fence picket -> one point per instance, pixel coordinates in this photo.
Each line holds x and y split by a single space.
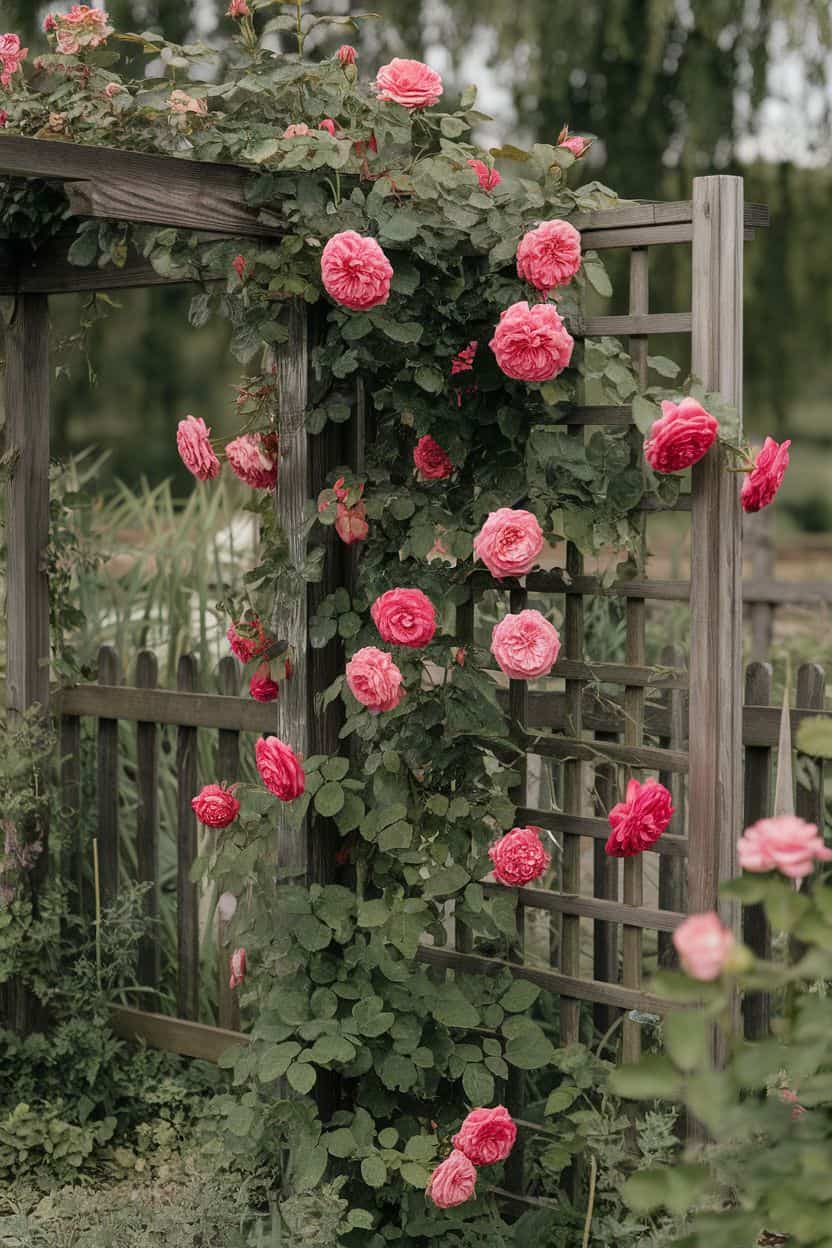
70 747
228 769
671 870
109 673
187 902
147 822
755 929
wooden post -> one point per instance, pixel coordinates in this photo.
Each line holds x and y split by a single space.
756 932
147 823
228 770
109 673
671 870
187 895
715 776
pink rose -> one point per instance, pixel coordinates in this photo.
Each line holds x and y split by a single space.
238 968
703 944
253 458
49 24
297 130
488 178
509 542
404 617
574 143
432 462
238 8
215 806
532 343
280 768
784 843
81 27
329 125
4 117
261 686
766 477
114 88
12 57
681 437
181 102
409 83
238 264
193 441
351 523
486 1136
549 255
525 645
346 54
248 639
355 271
640 820
452 1182
463 362
374 679
519 857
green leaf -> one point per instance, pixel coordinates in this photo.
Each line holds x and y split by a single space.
814 736
429 379
311 933
687 1039
446 880
453 1009
370 1019
329 799
328 1049
645 413
528 1047
84 249
373 913
274 1060
478 1084
397 836
401 227
414 1174
374 1171
301 1076
676 1188
560 1099
452 127
520 997
663 366
340 1143
652 1078
241 1120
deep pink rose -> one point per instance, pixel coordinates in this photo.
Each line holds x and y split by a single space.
784 843
766 477
488 178
452 1182
640 820
355 271
248 639
374 679
193 441
486 1136
4 117
531 343
215 806
329 125
432 462
351 523
49 23
346 54
238 968
404 617
409 83
238 264
681 436
525 645
253 458
509 542
12 57
261 686
463 362
280 768
549 255
703 944
519 857
297 130
238 8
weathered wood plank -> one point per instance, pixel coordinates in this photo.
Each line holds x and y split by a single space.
125 199
652 212
621 326
46 270
605 884
588 825
671 870
174 1035
109 672
755 928
647 756
147 823
811 692
518 693
167 706
187 897
228 769
592 908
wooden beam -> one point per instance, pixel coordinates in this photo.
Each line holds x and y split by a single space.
166 706
592 908
639 325
659 213
46 270
174 1035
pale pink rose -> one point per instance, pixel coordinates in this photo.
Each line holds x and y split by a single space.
784 843
12 57
509 542
238 968
114 88
486 1136
227 907
574 143
453 1181
680 437
519 857
193 441
703 944
329 125
181 102
355 271
81 27
297 130
374 679
409 83
248 639
261 686
532 343
549 255
404 617
463 362
346 54
238 8
525 645
280 768
432 462
351 523
638 822
766 477
215 806
238 264
488 178
253 459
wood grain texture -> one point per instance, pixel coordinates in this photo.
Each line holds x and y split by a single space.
46 270
811 692
640 325
575 904
518 692
756 932
109 671
167 706
147 823
228 769
647 756
187 896
174 1035
651 212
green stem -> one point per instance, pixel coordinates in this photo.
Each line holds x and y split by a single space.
298 26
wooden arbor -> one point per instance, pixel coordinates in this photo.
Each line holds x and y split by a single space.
211 198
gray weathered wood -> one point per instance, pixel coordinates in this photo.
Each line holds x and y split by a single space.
109 672
167 706
635 756
632 324
611 912
518 693
174 1035
811 692
650 212
147 823
46 270
755 928
187 896
228 770
757 536
573 783
605 881
671 871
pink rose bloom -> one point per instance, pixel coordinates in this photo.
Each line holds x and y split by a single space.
329 125
432 462
703 944
355 271
280 768
488 178
486 1136
549 255
525 645
374 679
459 656
346 54
640 820
519 857
464 361
509 542
297 130
49 24
181 102
409 83
238 968
351 523
766 477
4 117
215 806
681 436
114 88
452 1182
238 8
81 27
574 143
193 441
248 639
261 686
531 343
784 843
404 617
253 459
12 57
238 264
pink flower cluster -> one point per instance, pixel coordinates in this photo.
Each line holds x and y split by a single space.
82 27
404 617
409 83
238 8
350 517
262 687
485 1138
12 56
638 822
519 857
784 843
574 143
525 645
532 343
509 542
180 102
355 271
374 679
